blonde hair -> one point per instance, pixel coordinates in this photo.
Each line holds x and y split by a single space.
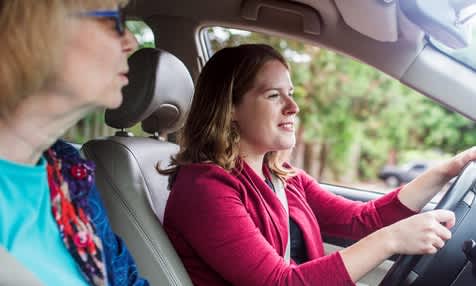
32 36
209 134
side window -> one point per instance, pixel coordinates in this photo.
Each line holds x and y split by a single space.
358 127
93 125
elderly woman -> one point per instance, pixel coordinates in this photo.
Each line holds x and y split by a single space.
59 60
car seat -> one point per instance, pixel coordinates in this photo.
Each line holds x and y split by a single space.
134 193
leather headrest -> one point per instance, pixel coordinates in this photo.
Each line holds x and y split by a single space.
159 93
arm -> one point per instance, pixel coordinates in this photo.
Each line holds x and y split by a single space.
121 268
420 234
347 218
219 228
421 190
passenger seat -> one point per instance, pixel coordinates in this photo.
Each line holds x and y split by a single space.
159 96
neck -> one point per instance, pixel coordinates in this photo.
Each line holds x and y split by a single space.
254 160
35 125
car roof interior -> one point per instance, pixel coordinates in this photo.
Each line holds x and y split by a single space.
387 40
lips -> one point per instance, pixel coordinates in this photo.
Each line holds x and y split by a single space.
124 76
287 125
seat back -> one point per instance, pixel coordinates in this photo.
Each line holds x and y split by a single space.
134 193
13 273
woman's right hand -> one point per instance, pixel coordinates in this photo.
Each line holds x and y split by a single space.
423 233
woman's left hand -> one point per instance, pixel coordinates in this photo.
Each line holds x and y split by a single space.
455 165
423 188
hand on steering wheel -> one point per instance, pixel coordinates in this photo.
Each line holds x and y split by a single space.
423 233
428 235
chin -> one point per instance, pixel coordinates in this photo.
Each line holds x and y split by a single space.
114 101
285 146
288 144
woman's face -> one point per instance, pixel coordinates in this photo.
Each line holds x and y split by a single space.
266 114
95 65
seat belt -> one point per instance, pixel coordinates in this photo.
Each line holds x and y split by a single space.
13 273
281 194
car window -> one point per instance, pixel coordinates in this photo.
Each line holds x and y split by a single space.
357 125
93 126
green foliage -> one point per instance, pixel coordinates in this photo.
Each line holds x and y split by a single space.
142 32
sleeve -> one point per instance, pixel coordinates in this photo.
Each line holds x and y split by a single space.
342 217
120 266
218 227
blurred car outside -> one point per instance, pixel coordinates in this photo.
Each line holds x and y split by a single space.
396 175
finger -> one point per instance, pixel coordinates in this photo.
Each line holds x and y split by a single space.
469 155
442 232
466 156
444 216
457 163
431 249
438 243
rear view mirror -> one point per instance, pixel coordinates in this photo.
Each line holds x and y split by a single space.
444 20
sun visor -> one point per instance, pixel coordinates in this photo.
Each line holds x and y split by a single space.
376 19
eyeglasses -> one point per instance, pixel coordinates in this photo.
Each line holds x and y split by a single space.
116 15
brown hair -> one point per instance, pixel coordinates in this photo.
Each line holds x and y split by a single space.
209 135
33 35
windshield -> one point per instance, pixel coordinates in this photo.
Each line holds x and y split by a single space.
466 56
465 23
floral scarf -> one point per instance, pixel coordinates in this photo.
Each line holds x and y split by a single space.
70 178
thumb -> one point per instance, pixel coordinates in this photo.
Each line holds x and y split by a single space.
445 217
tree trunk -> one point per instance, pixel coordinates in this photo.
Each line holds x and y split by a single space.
351 172
297 156
392 157
308 160
322 159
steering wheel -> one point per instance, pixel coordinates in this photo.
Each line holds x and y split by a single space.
443 267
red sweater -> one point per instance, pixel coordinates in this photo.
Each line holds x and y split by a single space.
231 229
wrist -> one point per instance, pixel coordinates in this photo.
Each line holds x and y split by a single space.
386 238
445 171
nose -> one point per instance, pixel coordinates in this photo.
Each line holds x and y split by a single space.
291 106
129 42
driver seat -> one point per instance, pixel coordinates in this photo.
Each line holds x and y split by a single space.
159 96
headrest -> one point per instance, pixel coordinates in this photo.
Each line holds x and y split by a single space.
159 93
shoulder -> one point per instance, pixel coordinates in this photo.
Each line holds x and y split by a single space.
300 177
202 190
203 183
68 152
205 174
79 173
61 147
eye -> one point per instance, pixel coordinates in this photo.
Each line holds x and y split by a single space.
112 23
291 94
273 95
108 22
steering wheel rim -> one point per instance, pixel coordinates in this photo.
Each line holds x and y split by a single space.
401 273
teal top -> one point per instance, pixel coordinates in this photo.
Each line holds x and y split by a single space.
28 230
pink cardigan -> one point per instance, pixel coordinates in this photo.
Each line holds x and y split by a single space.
231 229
